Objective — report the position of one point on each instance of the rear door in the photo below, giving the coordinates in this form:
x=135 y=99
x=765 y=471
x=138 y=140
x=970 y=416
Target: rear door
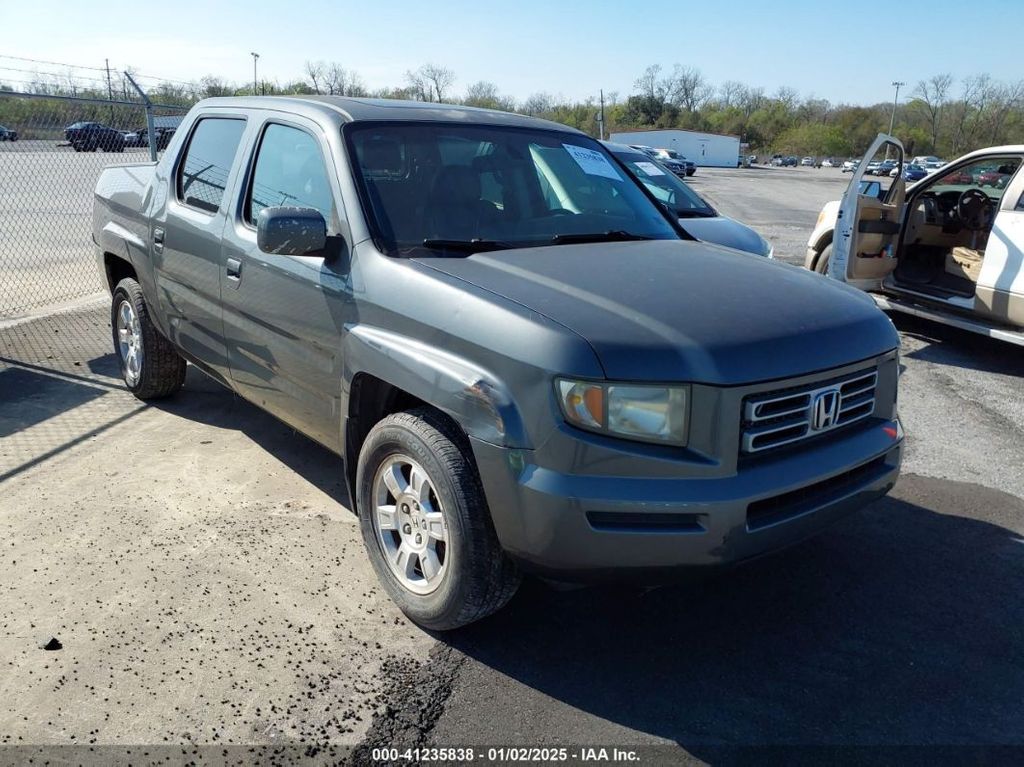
x=284 y=315
x=186 y=236
x=868 y=226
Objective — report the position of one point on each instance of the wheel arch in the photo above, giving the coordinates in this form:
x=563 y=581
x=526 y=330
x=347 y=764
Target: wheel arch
x=117 y=268
x=819 y=247
x=387 y=373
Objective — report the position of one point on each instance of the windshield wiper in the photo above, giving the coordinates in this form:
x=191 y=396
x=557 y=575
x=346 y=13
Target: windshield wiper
x=613 y=235
x=695 y=213
x=476 y=245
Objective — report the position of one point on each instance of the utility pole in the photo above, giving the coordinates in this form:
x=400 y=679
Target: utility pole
x=255 y=58
x=600 y=116
x=892 y=120
x=110 y=92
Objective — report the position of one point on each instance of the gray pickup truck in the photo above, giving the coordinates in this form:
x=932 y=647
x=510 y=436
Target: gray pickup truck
x=525 y=361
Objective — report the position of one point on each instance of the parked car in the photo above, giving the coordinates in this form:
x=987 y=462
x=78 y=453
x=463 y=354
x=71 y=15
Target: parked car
x=789 y=161
x=6 y=134
x=90 y=136
x=997 y=178
x=676 y=162
x=695 y=214
x=828 y=162
x=807 y=162
x=134 y=138
x=946 y=247
x=541 y=373
x=849 y=166
x=163 y=136
x=777 y=160
x=914 y=172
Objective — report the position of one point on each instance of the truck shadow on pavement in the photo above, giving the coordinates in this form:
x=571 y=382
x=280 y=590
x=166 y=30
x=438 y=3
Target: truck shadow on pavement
x=901 y=625
x=946 y=345
x=203 y=400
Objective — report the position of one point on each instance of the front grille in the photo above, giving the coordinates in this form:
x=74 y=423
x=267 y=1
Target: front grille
x=776 y=418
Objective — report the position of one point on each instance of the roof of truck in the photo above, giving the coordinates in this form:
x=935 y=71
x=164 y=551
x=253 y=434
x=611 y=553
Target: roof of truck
x=348 y=109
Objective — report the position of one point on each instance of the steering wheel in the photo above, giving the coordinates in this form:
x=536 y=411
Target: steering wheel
x=974 y=209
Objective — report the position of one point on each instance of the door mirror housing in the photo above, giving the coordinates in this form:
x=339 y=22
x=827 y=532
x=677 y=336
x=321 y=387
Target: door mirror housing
x=290 y=231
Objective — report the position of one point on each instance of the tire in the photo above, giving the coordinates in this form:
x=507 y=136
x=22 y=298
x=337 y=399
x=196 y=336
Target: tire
x=476 y=577
x=821 y=265
x=158 y=371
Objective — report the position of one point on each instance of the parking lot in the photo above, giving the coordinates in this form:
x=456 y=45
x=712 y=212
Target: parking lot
x=198 y=563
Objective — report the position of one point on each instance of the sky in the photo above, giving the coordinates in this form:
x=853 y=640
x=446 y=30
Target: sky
x=825 y=49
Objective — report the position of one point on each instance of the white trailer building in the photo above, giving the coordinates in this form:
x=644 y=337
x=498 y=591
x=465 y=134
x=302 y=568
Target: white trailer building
x=706 y=149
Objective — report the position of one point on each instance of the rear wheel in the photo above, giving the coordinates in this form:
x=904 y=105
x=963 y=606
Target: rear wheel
x=150 y=365
x=821 y=265
x=426 y=525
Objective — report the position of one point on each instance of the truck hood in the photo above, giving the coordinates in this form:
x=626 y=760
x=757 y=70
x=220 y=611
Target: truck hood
x=670 y=310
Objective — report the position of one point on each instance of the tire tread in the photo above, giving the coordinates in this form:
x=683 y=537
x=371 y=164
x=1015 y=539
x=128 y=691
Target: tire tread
x=163 y=369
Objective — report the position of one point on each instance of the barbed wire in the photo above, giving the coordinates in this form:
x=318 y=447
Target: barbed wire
x=52 y=63
x=58 y=75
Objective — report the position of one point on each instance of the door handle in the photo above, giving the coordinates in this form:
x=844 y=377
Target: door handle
x=158 y=240
x=234 y=269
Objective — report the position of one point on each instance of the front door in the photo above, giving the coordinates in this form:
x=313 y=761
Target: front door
x=868 y=226
x=284 y=315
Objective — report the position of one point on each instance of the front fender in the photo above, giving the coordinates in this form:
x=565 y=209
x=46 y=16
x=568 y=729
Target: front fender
x=474 y=397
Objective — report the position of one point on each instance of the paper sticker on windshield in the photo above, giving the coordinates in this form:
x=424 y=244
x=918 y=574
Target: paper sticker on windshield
x=650 y=168
x=592 y=162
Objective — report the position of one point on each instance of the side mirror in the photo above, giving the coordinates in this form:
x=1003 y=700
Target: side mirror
x=290 y=231
x=870 y=188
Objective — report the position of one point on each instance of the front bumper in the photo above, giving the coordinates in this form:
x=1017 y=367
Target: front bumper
x=576 y=527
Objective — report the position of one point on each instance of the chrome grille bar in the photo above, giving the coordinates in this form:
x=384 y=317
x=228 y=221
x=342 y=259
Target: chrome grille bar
x=785 y=416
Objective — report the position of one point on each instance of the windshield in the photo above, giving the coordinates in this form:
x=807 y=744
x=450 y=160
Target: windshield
x=430 y=185
x=665 y=185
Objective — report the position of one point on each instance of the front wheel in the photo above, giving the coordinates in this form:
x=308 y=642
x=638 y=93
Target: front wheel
x=150 y=365
x=426 y=525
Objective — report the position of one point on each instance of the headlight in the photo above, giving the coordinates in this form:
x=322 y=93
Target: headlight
x=633 y=411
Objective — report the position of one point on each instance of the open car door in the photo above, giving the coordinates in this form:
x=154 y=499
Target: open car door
x=868 y=226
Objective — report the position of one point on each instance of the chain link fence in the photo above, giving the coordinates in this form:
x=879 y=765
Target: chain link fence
x=52 y=150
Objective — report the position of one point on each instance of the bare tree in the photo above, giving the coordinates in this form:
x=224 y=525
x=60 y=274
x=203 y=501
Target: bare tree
x=481 y=94
x=537 y=104
x=211 y=85
x=686 y=88
x=1007 y=99
x=315 y=74
x=751 y=99
x=649 y=83
x=730 y=93
x=342 y=82
x=932 y=95
x=430 y=82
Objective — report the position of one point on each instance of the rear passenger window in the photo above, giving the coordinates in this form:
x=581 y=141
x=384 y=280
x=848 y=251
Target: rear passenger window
x=211 y=151
x=289 y=171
